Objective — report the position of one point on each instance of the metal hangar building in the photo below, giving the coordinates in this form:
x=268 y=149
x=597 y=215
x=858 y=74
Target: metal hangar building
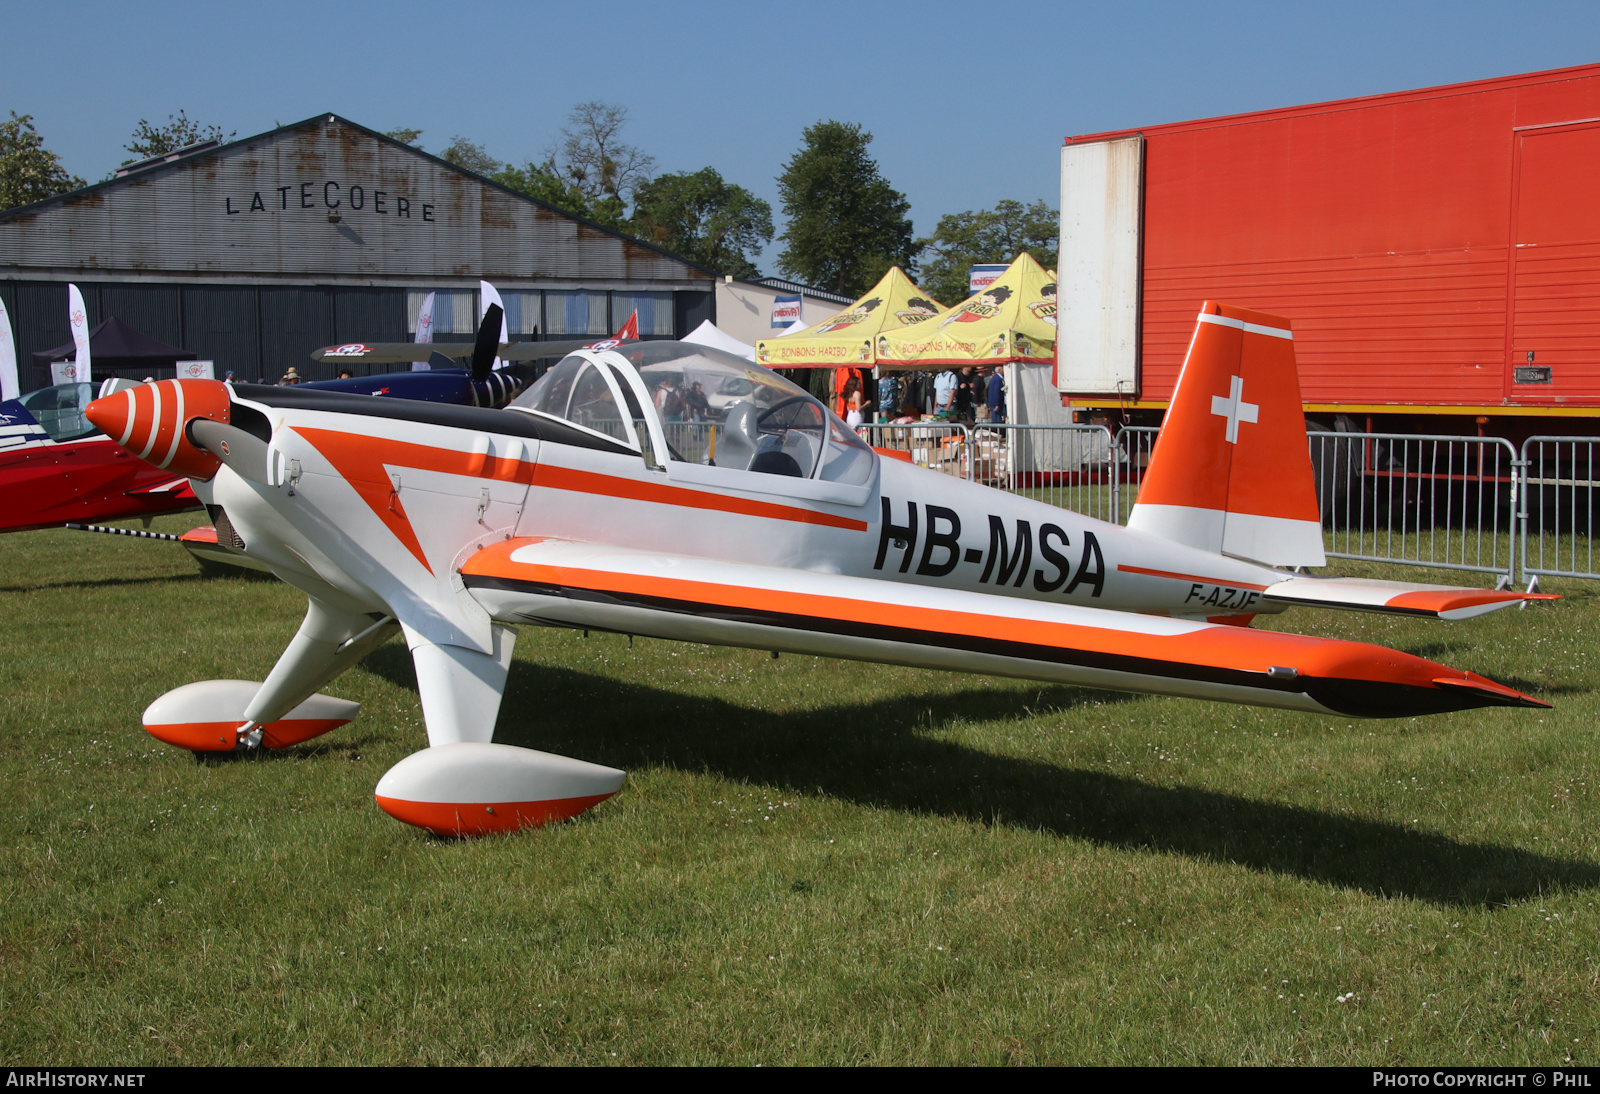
x=257 y=252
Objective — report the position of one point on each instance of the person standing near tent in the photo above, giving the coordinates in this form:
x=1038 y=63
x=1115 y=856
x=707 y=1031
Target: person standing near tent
x=695 y=399
x=855 y=403
x=841 y=380
x=944 y=392
x=969 y=393
x=997 y=396
x=889 y=396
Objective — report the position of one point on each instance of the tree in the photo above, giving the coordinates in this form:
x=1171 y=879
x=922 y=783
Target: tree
x=179 y=132
x=405 y=136
x=471 y=157
x=594 y=158
x=991 y=235
x=704 y=219
x=28 y=170
x=545 y=183
x=847 y=225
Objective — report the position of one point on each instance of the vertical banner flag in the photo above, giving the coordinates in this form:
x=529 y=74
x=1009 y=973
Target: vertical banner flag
x=78 y=318
x=196 y=370
x=981 y=277
x=8 y=357
x=424 y=330
x=785 y=310
x=488 y=295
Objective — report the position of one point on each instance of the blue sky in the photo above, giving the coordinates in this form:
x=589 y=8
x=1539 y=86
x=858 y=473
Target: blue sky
x=968 y=102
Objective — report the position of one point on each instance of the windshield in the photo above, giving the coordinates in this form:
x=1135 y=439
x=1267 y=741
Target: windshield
x=724 y=411
x=59 y=410
x=714 y=408
x=579 y=391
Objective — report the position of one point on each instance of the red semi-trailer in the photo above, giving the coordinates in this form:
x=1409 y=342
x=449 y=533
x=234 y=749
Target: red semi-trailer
x=1437 y=251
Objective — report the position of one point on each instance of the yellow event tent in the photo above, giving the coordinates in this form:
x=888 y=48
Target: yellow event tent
x=1013 y=320
x=847 y=339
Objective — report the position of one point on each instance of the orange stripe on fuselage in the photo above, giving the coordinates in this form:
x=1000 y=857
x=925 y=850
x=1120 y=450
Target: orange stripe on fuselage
x=1219 y=647
x=591 y=482
x=362 y=461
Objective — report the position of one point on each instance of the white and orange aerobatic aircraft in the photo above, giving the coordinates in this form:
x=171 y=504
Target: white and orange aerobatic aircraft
x=589 y=503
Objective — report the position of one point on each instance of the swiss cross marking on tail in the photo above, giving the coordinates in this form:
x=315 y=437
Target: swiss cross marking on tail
x=1234 y=408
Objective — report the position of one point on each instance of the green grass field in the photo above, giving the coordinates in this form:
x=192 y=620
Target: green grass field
x=812 y=861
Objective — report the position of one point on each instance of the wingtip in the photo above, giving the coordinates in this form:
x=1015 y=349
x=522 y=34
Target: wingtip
x=1491 y=693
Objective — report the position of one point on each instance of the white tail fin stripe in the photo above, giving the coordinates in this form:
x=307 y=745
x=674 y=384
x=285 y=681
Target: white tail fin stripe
x=155 y=421
x=1187 y=524
x=1248 y=328
x=177 y=431
x=127 y=430
x=1277 y=541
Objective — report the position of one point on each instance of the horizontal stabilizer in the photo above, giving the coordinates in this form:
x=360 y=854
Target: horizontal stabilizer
x=1394 y=597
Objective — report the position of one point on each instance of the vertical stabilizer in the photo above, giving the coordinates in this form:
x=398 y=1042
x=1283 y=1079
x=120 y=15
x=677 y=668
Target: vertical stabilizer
x=1231 y=471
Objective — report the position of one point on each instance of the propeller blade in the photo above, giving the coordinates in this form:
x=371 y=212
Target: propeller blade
x=488 y=344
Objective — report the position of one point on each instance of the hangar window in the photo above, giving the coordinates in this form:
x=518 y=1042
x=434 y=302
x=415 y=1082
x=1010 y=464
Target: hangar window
x=576 y=312
x=522 y=311
x=454 y=311
x=654 y=308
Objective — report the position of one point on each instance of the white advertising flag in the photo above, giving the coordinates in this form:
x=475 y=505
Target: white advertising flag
x=424 y=330
x=78 y=317
x=196 y=370
x=8 y=357
x=488 y=295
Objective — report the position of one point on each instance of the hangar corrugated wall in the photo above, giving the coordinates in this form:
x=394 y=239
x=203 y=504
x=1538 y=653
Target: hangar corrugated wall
x=256 y=252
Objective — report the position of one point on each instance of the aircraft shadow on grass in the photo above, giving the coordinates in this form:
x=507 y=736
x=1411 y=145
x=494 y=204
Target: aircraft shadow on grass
x=874 y=753
x=97 y=583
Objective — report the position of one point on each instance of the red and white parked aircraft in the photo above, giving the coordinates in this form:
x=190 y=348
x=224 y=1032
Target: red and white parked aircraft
x=590 y=503
x=55 y=467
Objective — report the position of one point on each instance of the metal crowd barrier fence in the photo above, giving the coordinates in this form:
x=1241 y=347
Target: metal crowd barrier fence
x=1447 y=503
x=1558 y=505
x=939 y=446
x=1071 y=466
x=1135 y=443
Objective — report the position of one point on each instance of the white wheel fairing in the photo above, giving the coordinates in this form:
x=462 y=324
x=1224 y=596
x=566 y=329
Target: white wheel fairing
x=475 y=788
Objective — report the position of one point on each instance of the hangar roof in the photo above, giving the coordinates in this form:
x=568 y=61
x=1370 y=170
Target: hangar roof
x=322 y=199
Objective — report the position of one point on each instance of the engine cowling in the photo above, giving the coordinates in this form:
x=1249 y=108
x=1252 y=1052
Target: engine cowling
x=148 y=420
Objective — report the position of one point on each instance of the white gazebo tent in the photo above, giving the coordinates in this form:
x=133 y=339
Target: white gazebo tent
x=709 y=334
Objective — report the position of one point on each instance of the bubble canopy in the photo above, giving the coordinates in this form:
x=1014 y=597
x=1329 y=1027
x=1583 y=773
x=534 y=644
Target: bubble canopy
x=706 y=416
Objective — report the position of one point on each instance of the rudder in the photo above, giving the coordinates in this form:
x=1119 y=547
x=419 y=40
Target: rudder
x=1231 y=470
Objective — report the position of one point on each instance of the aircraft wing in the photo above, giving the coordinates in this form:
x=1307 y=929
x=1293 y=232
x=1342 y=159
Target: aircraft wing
x=1395 y=597
x=396 y=353
x=566 y=584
